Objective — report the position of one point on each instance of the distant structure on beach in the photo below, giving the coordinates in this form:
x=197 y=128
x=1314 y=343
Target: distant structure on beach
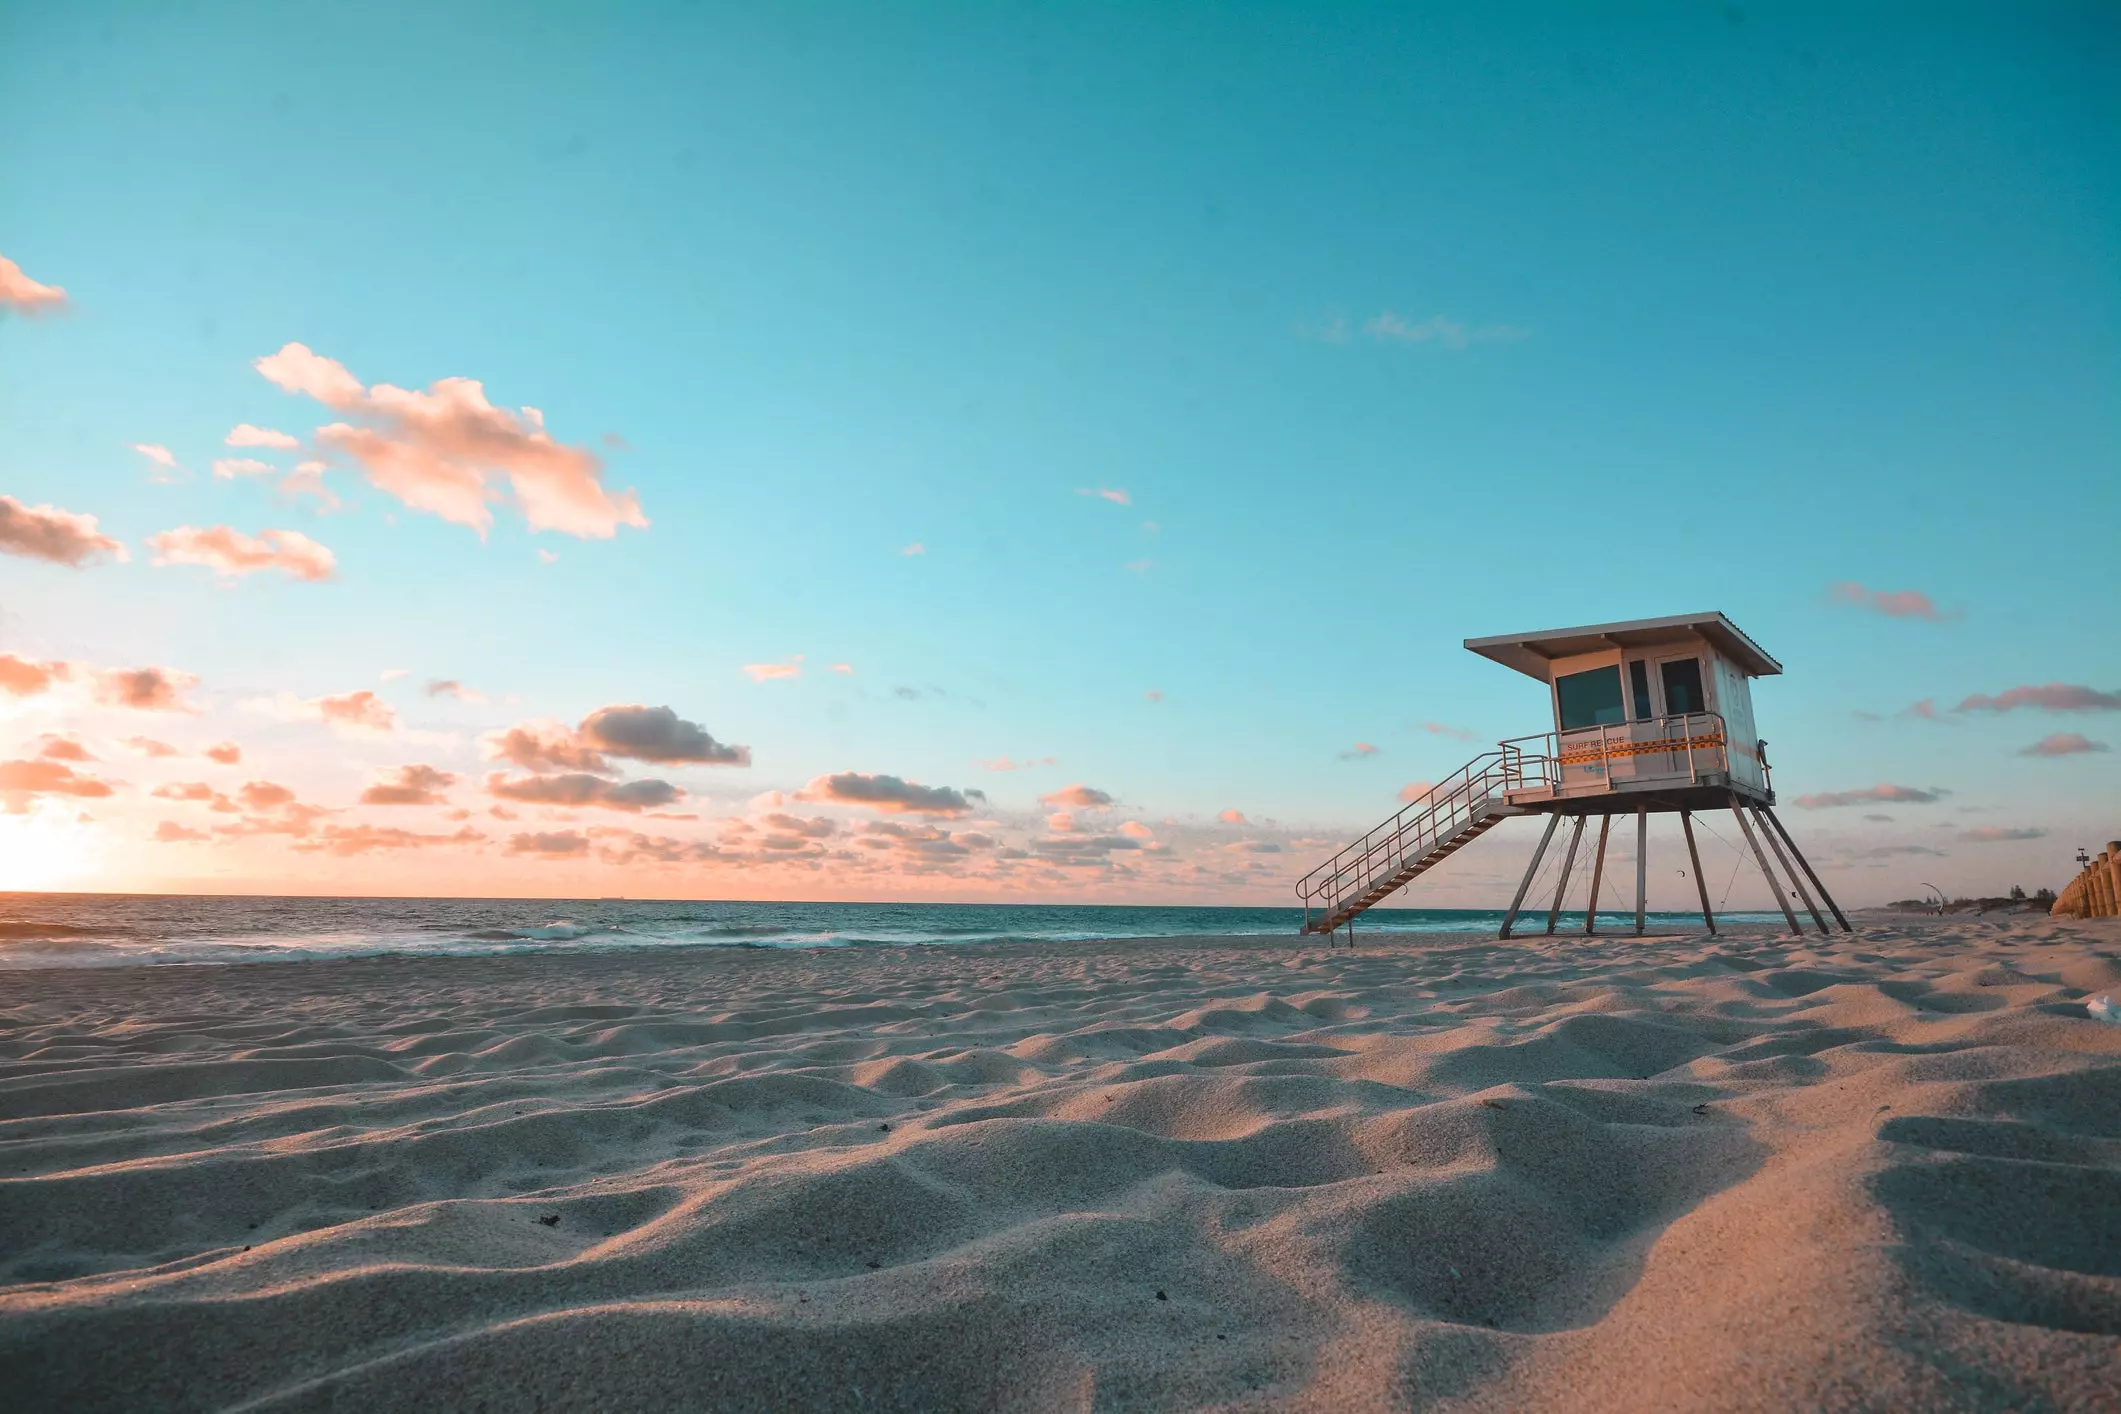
x=1651 y=716
x=2096 y=891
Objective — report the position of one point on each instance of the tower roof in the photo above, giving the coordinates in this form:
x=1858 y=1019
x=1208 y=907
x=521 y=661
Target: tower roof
x=1530 y=653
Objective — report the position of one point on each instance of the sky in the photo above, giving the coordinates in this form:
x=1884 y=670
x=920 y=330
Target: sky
x=1041 y=453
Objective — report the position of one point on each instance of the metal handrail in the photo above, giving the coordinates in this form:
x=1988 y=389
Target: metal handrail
x=1451 y=805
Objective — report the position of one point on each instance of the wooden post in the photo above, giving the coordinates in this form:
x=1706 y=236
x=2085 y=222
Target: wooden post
x=1590 y=911
x=2113 y=872
x=1761 y=859
x=1524 y=886
x=1686 y=823
x=1568 y=862
x=1642 y=866
x=1809 y=872
x=1775 y=848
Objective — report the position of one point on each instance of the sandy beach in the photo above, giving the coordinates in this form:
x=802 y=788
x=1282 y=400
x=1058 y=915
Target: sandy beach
x=1737 y=1173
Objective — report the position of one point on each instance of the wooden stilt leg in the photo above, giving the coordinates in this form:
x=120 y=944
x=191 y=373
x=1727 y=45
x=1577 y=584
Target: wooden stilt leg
x=1590 y=910
x=1524 y=886
x=1775 y=848
x=1568 y=862
x=1761 y=859
x=1805 y=865
x=1686 y=822
x=1642 y=867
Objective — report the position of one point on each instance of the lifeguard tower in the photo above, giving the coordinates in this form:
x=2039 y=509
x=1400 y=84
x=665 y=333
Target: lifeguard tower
x=1650 y=716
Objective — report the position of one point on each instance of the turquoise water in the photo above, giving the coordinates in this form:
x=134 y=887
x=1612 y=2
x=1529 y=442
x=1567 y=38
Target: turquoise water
x=85 y=930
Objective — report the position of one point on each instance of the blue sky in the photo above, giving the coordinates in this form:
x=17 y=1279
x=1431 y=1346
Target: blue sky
x=1397 y=328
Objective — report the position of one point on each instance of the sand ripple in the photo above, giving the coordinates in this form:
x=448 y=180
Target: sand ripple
x=1874 y=1173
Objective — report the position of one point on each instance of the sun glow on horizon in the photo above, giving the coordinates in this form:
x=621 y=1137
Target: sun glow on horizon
x=45 y=849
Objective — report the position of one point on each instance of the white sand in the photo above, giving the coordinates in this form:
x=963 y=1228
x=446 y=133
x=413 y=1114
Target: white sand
x=1750 y=1173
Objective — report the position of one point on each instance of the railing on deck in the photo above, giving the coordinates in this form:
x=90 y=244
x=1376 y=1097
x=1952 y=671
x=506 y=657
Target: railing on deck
x=1700 y=737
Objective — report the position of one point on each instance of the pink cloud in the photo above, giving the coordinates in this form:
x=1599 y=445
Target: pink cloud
x=409 y=785
x=1998 y=834
x=844 y=669
x=245 y=435
x=1233 y=817
x=148 y=746
x=1439 y=729
x=1003 y=763
x=307 y=479
x=450 y=687
x=60 y=747
x=1117 y=498
x=145 y=689
x=346 y=840
x=230 y=553
x=1894 y=604
x=1358 y=751
x=1136 y=830
x=21 y=782
x=225 y=752
x=443 y=450
x=2052 y=697
x=890 y=795
x=1415 y=790
x=556 y=844
x=2063 y=744
x=361 y=709
x=774 y=672
x=916 y=548
x=1882 y=792
x=579 y=789
x=23 y=295
x=162 y=457
x=170 y=832
x=48 y=533
x=26 y=677
x=1075 y=797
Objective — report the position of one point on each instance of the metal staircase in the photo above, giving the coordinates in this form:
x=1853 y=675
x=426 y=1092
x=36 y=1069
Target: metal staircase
x=1464 y=806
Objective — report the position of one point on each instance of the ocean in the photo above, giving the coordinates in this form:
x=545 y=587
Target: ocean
x=99 y=930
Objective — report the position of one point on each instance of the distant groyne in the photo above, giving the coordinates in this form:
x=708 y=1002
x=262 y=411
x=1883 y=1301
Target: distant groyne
x=2096 y=892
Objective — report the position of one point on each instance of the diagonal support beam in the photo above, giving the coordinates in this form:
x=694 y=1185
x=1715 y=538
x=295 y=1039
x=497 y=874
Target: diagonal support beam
x=1561 y=885
x=1775 y=848
x=1805 y=864
x=1686 y=822
x=1590 y=910
x=1761 y=859
x=1524 y=886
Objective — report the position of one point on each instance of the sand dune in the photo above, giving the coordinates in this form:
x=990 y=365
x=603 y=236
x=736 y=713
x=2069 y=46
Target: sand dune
x=1880 y=1172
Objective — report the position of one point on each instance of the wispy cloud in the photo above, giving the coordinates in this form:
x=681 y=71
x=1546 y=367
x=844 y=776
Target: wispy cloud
x=1883 y=792
x=244 y=434
x=360 y=712
x=1359 y=750
x=1076 y=797
x=2063 y=744
x=236 y=468
x=890 y=794
x=21 y=294
x=446 y=451
x=1439 y=729
x=47 y=533
x=2050 y=697
x=916 y=548
x=1415 y=790
x=791 y=667
x=230 y=553
x=163 y=458
x=410 y=785
x=1894 y=604
x=1109 y=493
x=1998 y=834
x=1441 y=330
x=450 y=687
